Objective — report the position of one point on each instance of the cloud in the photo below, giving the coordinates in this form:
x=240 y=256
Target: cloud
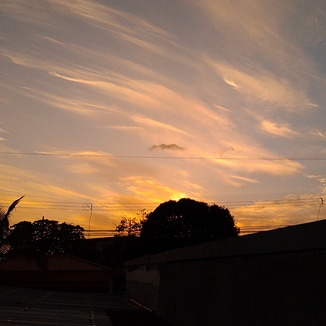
x=166 y=147
x=105 y=17
x=263 y=85
x=123 y=26
x=270 y=214
x=32 y=12
x=222 y=108
x=280 y=167
x=157 y=124
x=273 y=65
x=123 y=127
x=319 y=134
x=34 y=184
x=123 y=92
x=231 y=83
x=239 y=153
x=281 y=130
x=249 y=180
x=149 y=188
x=83 y=107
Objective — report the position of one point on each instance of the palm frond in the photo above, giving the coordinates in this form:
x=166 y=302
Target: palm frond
x=12 y=207
x=4 y=218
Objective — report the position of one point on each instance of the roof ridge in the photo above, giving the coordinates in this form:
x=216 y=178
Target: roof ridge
x=51 y=262
x=84 y=260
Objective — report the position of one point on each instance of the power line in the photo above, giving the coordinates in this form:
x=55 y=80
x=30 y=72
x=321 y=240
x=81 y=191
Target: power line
x=108 y=207
x=248 y=229
x=134 y=207
x=166 y=157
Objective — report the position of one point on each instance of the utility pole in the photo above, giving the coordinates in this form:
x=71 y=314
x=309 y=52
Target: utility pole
x=320 y=201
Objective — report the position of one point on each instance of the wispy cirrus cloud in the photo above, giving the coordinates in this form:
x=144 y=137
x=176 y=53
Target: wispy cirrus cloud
x=93 y=13
x=222 y=108
x=125 y=128
x=273 y=66
x=124 y=27
x=157 y=124
x=142 y=94
x=265 y=86
x=250 y=180
x=148 y=188
x=2 y=131
x=276 y=129
x=230 y=82
x=245 y=155
x=84 y=107
x=269 y=214
x=257 y=165
x=32 y=12
x=106 y=17
x=35 y=184
x=319 y=134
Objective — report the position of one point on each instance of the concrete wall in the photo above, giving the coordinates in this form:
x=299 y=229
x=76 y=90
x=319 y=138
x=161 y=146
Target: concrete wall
x=269 y=278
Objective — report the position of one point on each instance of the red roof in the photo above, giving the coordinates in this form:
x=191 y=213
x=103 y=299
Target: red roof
x=50 y=263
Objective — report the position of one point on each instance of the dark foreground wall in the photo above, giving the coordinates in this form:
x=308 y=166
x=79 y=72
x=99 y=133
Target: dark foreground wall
x=269 y=278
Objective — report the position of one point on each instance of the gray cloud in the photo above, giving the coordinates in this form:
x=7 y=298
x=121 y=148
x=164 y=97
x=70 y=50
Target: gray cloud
x=166 y=147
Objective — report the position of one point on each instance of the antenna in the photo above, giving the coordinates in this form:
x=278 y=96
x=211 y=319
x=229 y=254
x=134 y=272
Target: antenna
x=88 y=207
x=320 y=201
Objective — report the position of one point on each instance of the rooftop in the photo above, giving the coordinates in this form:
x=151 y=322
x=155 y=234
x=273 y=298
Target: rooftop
x=51 y=263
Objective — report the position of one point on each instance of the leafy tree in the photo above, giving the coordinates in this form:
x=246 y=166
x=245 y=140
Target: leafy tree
x=4 y=220
x=185 y=222
x=129 y=244
x=131 y=226
x=127 y=227
x=44 y=236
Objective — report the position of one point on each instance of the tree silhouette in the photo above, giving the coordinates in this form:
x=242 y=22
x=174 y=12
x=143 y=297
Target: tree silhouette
x=128 y=227
x=131 y=226
x=185 y=222
x=44 y=236
x=4 y=221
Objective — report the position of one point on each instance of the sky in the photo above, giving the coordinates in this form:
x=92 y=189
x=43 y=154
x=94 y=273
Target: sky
x=110 y=107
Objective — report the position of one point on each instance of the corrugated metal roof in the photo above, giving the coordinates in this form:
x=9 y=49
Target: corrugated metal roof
x=50 y=263
x=21 y=306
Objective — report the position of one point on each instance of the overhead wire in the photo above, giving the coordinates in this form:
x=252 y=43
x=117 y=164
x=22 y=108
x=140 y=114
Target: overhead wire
x=249 y=229
x=135 y=207
x=98 y=206
x=130 y=206
x=71 y=154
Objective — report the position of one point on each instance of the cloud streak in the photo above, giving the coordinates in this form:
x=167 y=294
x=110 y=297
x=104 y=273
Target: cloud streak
x=277 y=129
x=265 y=86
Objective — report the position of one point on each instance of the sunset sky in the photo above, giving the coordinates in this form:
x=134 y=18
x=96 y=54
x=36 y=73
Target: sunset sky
x=108 y=107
